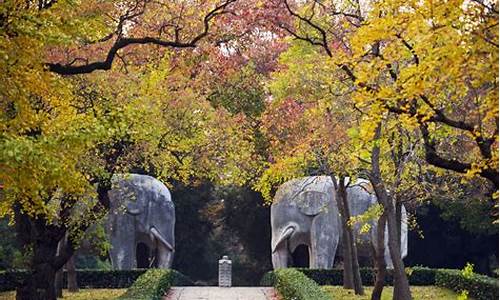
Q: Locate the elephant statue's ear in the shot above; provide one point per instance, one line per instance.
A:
(312, 203)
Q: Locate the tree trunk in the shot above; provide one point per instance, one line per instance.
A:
(72, 278)
(401, 285)
(58, 282)
(41, 284)
(60, 273)
(347, 273)
(352, 275)
(43, 240)
(378, 253)
(397, 290)
(39, 241)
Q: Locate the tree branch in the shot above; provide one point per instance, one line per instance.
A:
(433, 158)
(483, 144)
(122, 42)
(416, 60)
(321, 31)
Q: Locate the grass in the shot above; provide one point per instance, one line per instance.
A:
(337, 292)
(418, 292)
(83, 294)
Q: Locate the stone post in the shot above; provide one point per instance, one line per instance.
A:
(225, 272)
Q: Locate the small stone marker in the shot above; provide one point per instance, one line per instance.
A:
(225, 272)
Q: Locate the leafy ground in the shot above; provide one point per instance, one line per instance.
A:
(83, 294)
(418, 292)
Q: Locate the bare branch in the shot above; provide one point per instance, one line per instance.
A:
(123, 42)
(416, 60)
(321, 31)
(433, 158)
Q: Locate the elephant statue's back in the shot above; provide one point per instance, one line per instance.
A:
(142, 212)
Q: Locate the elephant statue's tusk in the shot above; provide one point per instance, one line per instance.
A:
(157, 235)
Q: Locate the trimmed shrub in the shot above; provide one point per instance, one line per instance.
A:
(267, 279)
(324, 277)
(418, 276)
(9, 279)
(294, 285)
(90, 278)
(329, 276)
(422, 276)
(106, 278)
(153, 285)
(86, 278)
(480, 287)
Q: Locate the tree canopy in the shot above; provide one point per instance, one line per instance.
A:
(241, 93)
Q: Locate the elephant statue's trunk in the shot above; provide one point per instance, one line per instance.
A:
(285, 234)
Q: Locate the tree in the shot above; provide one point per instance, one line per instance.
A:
(60, 147)
(407, 69)
(412, 59)
(309, 136)
(430, 66)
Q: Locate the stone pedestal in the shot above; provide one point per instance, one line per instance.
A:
(225, 266)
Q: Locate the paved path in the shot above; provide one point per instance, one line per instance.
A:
(217, 293)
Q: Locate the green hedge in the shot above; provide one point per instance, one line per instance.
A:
(294, 285)
(480, 287)
(106, 278)
(419, 276)
(90, 278)
(153, 285)
(268, 279)
(9, 279)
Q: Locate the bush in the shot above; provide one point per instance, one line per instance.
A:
(267, 279)
(419, 276)
(294, 285)
(90, 278)
(422, 276)
(322, 276)
(480, 287)
(86, 278)
(106, 278)
(9, 279)
(152, 285)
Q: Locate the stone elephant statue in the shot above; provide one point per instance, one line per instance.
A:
(361, 197)
(304, 212)
(141, 220)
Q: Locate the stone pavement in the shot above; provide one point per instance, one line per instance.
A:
(218, 293)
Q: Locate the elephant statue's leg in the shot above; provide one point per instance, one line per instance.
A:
(324, 242)
(280, 256)
(165, 256)
(387, 252)
(122, 255)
